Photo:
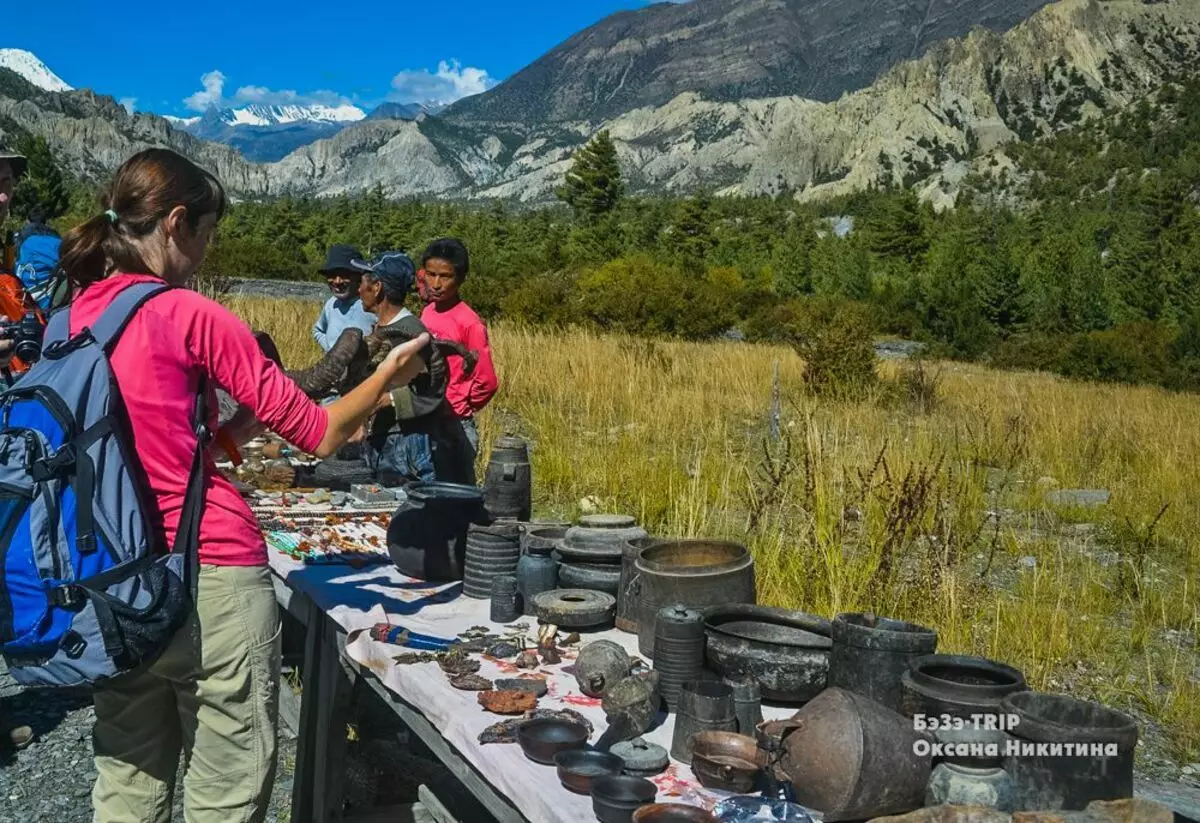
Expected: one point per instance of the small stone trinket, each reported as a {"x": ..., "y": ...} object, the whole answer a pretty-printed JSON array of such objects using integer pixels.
[
  {"x": 527, "y": 660},
  {"x": 550, "y": 655},
  {"x": 502, "y": 650},
  {"x": 535, "y": 685},
  {"x": 508, "y": 702},
  {"x": 471, "y": 683},
  {"x": 458, "y": 663}
]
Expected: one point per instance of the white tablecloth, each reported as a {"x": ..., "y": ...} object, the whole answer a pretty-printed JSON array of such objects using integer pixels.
[{"x": 358, "y": 600}]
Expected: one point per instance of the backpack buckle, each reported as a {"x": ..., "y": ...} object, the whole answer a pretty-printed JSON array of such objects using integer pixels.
[
  {"x": 69, "y": 597},
  {"x": 45, "y": 468}
]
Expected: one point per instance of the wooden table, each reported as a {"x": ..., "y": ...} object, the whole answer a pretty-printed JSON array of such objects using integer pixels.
[{"x": 329, "y": 676}]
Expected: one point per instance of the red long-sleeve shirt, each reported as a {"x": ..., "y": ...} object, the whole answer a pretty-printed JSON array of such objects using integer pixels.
[
  {"x": 157, "y": 364},
  {"x": 467, "y": 394}
]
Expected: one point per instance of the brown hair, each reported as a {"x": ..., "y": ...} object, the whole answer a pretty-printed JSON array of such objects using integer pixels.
[{"x": 144, "y": 191}]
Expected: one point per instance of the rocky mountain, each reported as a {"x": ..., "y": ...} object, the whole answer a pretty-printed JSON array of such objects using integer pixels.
[
  {"x": 926, "y": 123},
  {"x": 730, "y": 50},
  {"x": 266, "y": 133},
  {"x": 403, "y": 111},
  {"x": 92, "y": 134}
]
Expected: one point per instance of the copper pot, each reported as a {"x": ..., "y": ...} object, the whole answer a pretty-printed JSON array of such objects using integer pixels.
[{"x": 727, "y": 761}]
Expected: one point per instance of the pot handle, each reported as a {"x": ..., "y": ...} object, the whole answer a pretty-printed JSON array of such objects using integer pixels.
[
  {"x": 596, "y": 682},
  {"x": 510, "y": 471},
  {"x": 634, "y": 585},
  {"x": 726, "y": 771}
]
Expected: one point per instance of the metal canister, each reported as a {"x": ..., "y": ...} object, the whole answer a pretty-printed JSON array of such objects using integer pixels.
[
  {"x": 747, "y": 703},
  {"x": 505, "y": 600},
  {"x": 491, "y": 550},
  {"x": 704, "y": 706},
  {"x": 680, "y": 657}
]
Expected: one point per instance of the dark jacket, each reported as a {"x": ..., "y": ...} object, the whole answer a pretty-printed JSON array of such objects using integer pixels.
[{"x": 419, "y": 406}]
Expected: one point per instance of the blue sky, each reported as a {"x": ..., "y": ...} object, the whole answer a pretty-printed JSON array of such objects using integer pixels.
[{"x": 154, "y": 55}]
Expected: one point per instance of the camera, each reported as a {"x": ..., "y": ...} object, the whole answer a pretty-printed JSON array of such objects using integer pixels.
[{"x": 26, "y": 335}]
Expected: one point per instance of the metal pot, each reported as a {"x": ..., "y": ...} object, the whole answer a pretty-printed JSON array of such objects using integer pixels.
[
  {"x": 696, "y": 573},
  {"x": 787, "y": 652}
]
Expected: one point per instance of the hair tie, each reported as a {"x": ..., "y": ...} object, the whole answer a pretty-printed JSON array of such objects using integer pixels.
[{"x": 112, "y": 216}]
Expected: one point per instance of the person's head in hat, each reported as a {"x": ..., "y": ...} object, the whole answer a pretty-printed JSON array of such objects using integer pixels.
[
  {"x": 386, "y": 283},
  {"x": 12, "y": 166},
  {"x": 341, "y": 272}
]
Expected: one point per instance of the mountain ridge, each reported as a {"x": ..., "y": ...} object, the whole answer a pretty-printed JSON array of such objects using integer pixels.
[
  {"x": 929, "y": 123},
  {"x": 728, "y": 50}
]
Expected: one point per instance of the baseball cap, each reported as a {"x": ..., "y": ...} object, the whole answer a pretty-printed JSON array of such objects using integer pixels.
[{"x": 394, "y": 268}]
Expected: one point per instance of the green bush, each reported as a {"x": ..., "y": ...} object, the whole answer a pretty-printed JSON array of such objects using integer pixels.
[{"x": 834, "y": 339}]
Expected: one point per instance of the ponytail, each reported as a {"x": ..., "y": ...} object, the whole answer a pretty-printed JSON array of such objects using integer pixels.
[
  {"x": 82, "y": 257},
  {"x": 144, "y": 191}
]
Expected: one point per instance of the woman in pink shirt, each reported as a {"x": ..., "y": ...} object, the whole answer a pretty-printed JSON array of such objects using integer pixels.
[{"x": 213, "y": 693}]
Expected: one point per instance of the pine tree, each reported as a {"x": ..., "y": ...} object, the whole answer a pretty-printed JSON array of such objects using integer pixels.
[
  {"x": 593, "y": 187},
  {"x": 43, "y": 188}
]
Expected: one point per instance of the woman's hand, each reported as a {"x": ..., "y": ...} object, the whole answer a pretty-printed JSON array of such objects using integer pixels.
[{"x": 404, "y": 362}]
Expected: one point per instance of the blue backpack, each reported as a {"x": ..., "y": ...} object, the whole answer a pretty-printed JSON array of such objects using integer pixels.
[{"x": 88, "y": 590}]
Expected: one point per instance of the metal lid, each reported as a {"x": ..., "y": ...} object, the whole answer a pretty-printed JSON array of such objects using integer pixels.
[
  {"x": 607, "y": 521},
  {"x": 641, "y": 756}
]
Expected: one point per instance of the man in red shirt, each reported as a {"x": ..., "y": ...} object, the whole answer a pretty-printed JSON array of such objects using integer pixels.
[{"x": 446, "y": 264}]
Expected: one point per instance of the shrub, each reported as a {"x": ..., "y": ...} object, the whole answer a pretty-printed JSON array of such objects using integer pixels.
[{"x": 834, "y": 338}]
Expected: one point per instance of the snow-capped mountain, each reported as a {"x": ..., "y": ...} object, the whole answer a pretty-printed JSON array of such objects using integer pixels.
[
  {"x": 264, "y": 115},
  {"x": 266, "y": 133},
  {"x": 32, "y": 69}
]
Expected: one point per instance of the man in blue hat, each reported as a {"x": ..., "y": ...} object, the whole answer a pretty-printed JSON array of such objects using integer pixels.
[
  {"x": 344, "y": 309},
  {"x": 413, "y": 434}
]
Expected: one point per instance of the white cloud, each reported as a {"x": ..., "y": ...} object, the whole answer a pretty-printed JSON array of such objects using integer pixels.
[
  {"x": 450, "y": 82},
  {"x": 213, "y": 94},
  {"x": 214, "y": 86},
  {"x": 130, "y": 104}
]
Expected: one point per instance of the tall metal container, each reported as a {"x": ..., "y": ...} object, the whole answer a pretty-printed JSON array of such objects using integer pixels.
[
  {"x": 491, "y": 550},
  {"x": 508, "y": 480},
  {"x": 696, "y": 573}
]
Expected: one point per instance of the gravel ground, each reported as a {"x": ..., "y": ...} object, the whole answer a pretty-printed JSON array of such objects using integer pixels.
[
  {"x": 294, "y": 290},
  {"x": 51, "y": 780}
]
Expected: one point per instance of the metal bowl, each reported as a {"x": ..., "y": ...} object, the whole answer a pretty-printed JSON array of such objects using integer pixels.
[
  {"x": 543, "y": 738},
  {"x": 672, "y": 813},
  {"x": 727, "y": 761},
  {"x": 579, "y": 768},
  {"x": 616, "y": 798}
]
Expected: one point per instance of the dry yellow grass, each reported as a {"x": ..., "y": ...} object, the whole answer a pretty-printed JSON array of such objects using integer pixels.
[{"x": 876, "y": 505}]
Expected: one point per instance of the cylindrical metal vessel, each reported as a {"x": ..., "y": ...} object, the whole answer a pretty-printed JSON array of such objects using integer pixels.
[
  {"x": 696, "y": 573},
  {"x": 870, "y": 655},
  {"x": 505, "y": 600},
  {"x": 1059, "y": 779},
  {"x": 491, "y": 550},
  {"x": 629, "y": 601},
  {"x": 508, "y": 480},
  {"x": 680, "y": 642},
  {"x": 704, "y": 706}
]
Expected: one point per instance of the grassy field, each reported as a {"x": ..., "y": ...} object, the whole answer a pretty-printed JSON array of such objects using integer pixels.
[{"x": 929, "y": 506}]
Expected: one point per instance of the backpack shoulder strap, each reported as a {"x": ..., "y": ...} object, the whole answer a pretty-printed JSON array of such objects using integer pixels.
[
  {"x": 58, "y": 327},
  {"x": 108, "y": 327}
]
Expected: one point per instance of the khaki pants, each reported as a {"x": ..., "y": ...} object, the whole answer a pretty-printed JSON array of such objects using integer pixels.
[{"x": 214, "y": 696}]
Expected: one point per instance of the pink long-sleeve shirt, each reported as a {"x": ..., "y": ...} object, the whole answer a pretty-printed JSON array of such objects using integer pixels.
[
  {"x": 157, "y": 362},
  {"x": 467, "y": 394}
]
